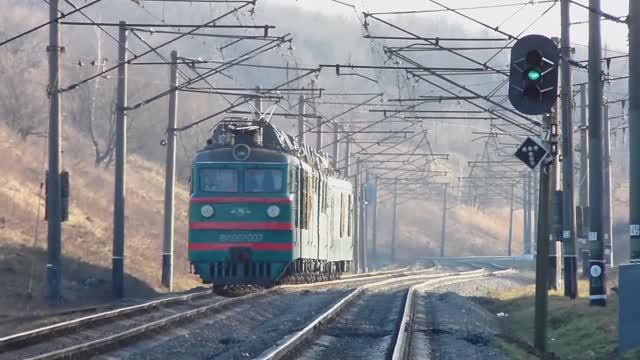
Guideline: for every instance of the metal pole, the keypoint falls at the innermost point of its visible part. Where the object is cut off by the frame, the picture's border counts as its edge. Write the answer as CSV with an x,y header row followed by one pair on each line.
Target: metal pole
x,y
542,256
511,221
394,224
319,126
444,219
583,182
336,145
363,221
568,204
170,177
606,191
597,284
301,111
356,217
536,202
525,204
553,256
347,156
121,148
259,103
374,217
526,226
54,192
634,131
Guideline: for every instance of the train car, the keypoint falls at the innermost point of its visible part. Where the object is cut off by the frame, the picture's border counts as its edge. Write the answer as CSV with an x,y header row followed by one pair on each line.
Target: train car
x,y
266,209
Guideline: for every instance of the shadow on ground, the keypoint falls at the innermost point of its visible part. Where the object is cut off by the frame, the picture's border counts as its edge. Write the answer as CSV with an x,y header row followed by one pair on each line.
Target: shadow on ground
x,y
23,286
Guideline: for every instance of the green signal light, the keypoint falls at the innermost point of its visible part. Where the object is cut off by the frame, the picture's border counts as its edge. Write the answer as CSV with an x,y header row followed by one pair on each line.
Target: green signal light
x,y
533,75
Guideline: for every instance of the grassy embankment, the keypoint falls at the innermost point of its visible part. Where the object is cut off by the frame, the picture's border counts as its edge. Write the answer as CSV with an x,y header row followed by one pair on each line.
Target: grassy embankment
x,y
576,330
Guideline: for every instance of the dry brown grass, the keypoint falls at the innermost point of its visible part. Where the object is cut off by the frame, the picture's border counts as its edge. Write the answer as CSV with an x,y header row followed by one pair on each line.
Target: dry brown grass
x,y
87,236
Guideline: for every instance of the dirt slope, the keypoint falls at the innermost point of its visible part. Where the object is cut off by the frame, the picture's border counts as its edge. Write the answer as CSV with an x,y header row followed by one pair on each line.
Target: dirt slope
x,y
87,236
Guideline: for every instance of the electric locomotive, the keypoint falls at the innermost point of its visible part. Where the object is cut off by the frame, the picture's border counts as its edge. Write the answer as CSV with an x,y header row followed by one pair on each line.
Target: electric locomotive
x,y
265,208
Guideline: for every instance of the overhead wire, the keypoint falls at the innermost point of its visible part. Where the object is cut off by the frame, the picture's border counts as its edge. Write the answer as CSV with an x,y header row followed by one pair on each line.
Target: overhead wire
x,y
18,36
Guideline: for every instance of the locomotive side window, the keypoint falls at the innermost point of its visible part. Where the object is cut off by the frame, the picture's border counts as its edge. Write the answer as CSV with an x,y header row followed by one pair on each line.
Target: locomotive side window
x,y
263,180
293,179
218,180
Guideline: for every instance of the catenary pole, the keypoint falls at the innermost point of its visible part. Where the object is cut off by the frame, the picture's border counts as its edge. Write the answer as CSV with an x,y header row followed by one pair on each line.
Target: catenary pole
x,y
583,174
357,218
568,204
363,220
258,103
542,256
606,187
553,225
536,204
526,221
374,220
54,191
583,182
347,156
336,144
319,125
556,212
634,131
597,284
511,221
394,223
170,177
120,170
443,229
301,111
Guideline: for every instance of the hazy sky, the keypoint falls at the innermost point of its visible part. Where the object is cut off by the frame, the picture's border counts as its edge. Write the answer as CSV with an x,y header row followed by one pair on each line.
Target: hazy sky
x,y
614,34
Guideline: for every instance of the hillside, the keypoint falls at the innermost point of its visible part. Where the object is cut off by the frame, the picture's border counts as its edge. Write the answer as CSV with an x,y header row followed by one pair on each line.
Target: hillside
x,y
87,235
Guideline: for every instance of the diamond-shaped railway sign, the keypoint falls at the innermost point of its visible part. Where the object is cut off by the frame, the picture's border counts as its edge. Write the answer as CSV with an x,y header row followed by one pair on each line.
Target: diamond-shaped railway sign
x,y
531,152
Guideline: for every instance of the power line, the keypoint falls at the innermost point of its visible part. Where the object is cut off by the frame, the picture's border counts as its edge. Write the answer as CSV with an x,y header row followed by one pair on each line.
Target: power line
x,y
48,22
77,84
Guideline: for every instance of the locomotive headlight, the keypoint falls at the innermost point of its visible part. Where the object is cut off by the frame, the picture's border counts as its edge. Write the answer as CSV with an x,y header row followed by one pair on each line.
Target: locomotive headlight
x,y
207,211
273,211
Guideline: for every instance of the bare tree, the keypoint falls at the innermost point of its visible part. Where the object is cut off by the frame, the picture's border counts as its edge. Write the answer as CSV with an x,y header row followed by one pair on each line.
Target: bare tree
x,y
92,110
23,97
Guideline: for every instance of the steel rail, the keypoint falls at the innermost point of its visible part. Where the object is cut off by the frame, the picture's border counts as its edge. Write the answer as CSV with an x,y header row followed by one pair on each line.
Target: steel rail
x,y
13,342
63,326
402,345
291,343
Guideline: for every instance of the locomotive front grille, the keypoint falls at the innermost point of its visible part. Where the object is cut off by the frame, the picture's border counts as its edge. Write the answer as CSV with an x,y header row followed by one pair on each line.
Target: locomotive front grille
x,y
234,271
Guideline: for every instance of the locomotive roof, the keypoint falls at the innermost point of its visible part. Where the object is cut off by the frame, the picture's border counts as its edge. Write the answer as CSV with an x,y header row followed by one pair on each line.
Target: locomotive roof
x,y
267,144
225,154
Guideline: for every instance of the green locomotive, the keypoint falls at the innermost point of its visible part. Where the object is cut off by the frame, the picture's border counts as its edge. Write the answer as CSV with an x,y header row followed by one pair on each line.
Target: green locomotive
x,y
265,209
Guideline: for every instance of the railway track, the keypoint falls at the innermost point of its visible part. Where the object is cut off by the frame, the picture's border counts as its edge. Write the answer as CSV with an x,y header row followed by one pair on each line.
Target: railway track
x,y
104,331
365,323
412,321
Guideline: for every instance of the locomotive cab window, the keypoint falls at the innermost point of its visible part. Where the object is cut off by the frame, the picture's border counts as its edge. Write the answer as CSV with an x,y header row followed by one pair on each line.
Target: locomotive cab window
x,y
263,180
218,180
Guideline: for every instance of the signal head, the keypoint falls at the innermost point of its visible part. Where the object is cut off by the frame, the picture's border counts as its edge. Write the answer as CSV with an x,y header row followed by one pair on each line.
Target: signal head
x,y
533,75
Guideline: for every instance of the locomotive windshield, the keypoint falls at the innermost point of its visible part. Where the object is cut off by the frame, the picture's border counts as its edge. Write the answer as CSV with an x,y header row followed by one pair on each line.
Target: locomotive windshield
x,y
219,180
263,180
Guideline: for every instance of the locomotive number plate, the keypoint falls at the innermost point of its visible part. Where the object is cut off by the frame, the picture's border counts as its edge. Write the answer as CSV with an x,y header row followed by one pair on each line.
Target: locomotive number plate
x,y
240,237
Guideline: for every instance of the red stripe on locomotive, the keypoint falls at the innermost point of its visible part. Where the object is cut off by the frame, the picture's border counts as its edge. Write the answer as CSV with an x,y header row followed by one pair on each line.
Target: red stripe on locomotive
x,y
216,225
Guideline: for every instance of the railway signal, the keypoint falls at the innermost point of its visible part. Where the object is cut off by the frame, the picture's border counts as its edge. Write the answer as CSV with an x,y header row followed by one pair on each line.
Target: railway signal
x,y
533,74
531,152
